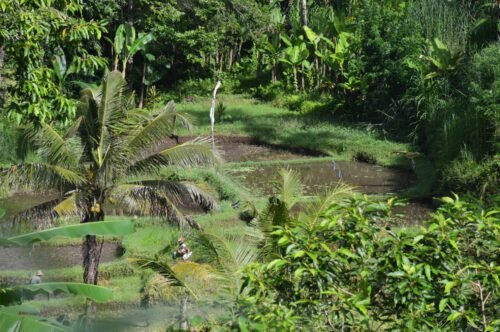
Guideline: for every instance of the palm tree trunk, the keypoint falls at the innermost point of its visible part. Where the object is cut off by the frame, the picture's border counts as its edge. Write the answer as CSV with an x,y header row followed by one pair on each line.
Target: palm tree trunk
x,y
91,253
230,60
183,325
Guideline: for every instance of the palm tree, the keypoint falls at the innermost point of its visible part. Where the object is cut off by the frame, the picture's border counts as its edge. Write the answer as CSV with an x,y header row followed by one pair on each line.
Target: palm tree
x,y
288,191
112,153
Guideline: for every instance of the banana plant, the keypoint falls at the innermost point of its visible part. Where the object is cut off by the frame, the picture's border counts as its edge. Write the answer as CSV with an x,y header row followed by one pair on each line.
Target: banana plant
x,y
61,68
440,58
294,55
126,44
272,52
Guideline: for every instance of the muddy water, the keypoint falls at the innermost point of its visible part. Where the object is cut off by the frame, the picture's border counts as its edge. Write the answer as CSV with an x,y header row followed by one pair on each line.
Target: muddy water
x,y
49,257
319,177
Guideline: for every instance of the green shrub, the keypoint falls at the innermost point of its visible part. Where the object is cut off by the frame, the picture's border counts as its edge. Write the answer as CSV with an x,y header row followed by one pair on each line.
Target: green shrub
x,y
199,87
465,175
343,270
268,92
8,142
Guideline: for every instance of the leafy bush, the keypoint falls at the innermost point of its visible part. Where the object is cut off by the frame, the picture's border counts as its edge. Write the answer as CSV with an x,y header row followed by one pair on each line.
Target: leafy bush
x,y
346,271
8,141
267,92
199,87
466,175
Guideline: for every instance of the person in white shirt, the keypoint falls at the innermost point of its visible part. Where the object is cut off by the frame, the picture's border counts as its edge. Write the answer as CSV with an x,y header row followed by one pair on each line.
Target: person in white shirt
x,y
37,278
183,250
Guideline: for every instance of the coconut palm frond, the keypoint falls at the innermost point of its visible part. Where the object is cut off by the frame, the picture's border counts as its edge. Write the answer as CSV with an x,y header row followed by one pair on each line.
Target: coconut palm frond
x,y
193,153
113,100
157,265
228,256
149,201
202,198
158,130
69,207
289,188
40,213
53,148
73,129
177,275
189,154
40,177
315,210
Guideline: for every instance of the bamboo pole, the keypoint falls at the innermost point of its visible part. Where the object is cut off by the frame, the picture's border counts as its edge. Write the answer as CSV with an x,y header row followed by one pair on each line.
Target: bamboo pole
x,y
212,111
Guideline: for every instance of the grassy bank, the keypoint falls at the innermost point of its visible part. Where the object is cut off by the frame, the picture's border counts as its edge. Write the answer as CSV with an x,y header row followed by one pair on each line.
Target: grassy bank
x,y
274,125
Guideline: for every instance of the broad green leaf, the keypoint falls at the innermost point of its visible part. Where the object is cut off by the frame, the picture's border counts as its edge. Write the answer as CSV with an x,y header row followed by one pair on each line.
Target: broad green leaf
x,y
101,228
454,315
60,66
417,239
442,304
310,34
427,269
119,41
96,293
449,285
139,44
347,253
396,274
17,323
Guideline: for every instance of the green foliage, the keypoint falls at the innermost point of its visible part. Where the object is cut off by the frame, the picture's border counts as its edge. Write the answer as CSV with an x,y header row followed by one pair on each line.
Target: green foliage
x,y
464,174
126,44
45,42
221,112
346,270
102,228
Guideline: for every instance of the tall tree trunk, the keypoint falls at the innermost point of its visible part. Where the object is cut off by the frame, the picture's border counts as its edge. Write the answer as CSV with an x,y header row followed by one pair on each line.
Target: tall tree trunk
x,y
230,60
259,64
221,64
91,252
304,12
2,57
240,46
130,11
143,80
295,80
318,73
183,324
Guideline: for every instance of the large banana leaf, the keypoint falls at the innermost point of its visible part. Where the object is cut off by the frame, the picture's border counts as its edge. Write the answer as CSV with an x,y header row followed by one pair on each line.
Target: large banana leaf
x,y
12,296
14,318
101,228
17,323
93,292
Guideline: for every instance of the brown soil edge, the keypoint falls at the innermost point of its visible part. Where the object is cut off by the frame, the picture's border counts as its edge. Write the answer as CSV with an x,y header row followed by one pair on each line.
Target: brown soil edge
x,y
221,139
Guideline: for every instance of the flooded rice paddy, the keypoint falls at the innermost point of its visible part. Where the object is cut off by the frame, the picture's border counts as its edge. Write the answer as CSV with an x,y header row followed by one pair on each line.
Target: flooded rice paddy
x,y
318,177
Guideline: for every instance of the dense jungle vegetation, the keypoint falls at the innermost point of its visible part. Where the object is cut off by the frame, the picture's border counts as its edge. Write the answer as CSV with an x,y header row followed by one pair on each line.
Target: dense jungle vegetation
x,y
101,106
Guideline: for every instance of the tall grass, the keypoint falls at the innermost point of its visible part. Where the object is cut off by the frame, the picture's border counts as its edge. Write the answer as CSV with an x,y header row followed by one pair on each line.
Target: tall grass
x,y
450,21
